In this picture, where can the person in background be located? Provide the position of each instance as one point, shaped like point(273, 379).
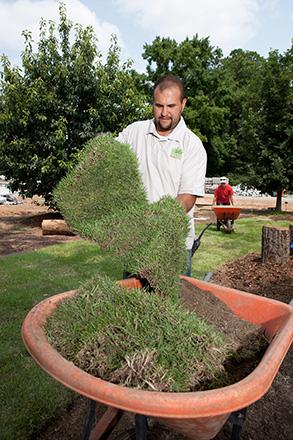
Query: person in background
point(223, 195)
point(172, 159)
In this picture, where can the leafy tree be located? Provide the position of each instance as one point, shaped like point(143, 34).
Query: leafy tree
point(63, 96)
point(241, 79)
point(266, 133)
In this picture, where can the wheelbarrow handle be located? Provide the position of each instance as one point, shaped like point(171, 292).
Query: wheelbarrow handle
point(196, 242)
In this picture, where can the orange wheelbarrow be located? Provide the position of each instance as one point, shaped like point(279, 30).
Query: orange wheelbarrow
point(198, 415)
point(226, 214)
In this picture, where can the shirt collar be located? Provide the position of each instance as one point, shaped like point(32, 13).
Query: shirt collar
point(175, 135)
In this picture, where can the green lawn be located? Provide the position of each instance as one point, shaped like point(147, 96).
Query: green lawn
point(29, 397)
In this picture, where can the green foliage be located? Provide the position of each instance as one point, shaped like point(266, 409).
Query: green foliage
point(110, 207)
point(240, 73)
point(267, 128)
point(63, 96)
point(108, 328)
point(261, 119)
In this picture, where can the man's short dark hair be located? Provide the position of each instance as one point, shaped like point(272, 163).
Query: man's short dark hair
point(169, 80)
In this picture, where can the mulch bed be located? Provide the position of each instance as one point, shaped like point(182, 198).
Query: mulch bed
point(272, 280)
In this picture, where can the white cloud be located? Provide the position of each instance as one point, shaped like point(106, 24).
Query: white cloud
point(20, 15)
point(229, 23)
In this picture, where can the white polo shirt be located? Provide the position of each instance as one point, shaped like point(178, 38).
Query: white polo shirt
point(169, 165)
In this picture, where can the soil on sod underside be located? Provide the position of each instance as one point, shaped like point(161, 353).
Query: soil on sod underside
point(247, 339)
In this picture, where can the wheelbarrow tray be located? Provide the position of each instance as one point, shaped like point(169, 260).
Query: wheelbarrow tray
point(224, 212)
point(198, 415)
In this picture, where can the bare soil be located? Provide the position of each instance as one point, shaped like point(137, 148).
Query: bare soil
point(20, 227)
point(268, 419)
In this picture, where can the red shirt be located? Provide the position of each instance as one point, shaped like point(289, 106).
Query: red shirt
point(223, 193)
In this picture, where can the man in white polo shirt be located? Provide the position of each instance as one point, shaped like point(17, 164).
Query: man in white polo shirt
point(172, 159)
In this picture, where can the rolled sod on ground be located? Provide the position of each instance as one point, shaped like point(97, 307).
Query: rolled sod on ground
point(137, 337)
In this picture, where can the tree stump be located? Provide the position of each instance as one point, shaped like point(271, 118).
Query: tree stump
point(275, 244)
point(55, 227)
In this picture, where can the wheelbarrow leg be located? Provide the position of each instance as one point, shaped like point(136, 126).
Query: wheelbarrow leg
point(101, 429)
point(141, 427)
point(237, 419)
point(90, 418)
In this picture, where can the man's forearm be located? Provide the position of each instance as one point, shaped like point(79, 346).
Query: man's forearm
point(186, 200)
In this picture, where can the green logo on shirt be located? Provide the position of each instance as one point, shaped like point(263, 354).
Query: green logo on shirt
point(176, 152)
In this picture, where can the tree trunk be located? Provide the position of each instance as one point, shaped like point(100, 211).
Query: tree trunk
point(275, 244)
point(279, 199)
point(55, 227)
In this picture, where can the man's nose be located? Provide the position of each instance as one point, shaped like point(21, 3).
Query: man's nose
point(164, 110)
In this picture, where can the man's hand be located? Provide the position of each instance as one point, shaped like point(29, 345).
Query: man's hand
point(186, 200)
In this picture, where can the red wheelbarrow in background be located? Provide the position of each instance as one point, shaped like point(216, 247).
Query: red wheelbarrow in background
point(226, 214)
point(198, 415)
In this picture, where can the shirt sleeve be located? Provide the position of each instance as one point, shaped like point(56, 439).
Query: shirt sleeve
point(193, 172)
point(123, 136)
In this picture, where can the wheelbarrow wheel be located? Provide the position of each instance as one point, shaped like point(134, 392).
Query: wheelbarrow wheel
point(229, 226)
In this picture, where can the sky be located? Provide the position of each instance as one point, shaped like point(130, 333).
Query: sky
point(258, 25)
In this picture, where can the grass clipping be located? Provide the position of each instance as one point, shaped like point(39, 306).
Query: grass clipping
point(129, 336)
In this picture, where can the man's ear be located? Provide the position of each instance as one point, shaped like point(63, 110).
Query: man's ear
point(184, 101)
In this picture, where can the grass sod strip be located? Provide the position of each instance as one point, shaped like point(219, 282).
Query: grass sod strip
point(103, 199)
point(136, 338)
point(148, 241)
point(105, 181)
